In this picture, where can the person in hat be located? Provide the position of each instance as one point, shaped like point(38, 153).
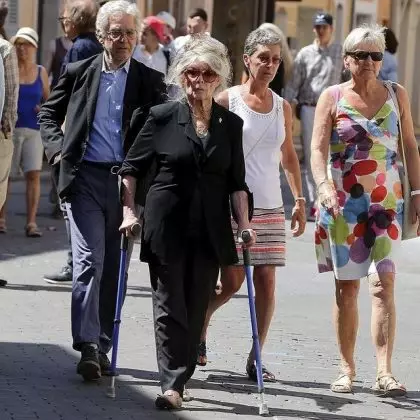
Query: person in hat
point(28, 150)
point(316, 67)
point(170, 26)
point(150, 51)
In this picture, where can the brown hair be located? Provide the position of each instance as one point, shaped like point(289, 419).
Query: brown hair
point(82, 14)
point(3, 15)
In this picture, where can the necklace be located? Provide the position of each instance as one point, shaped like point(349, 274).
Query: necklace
point(201, 124)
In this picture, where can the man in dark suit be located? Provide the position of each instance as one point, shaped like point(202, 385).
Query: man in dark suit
point(105, 100)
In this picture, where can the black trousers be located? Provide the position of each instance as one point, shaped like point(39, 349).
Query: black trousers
point(181, 293)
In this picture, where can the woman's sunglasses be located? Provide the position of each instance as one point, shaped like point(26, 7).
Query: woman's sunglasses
point(364, 55)
point(209, 76)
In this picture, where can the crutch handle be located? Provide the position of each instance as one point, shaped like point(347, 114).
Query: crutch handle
point(246, 237)
point(135, 231)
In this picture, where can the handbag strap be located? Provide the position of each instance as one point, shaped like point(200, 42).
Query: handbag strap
point(275, 118)
point(392, 91)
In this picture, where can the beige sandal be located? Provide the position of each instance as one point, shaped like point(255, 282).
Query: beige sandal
point(388, 386)
point(32, 231)
point(343, 384)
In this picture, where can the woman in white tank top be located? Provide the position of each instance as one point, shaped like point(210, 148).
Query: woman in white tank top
point(267, 143)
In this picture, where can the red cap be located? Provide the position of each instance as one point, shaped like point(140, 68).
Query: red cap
point(157, 25)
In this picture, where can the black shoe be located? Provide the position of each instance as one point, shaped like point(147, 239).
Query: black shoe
point(105, 364)
point(3, 283)
point(89, 366)
point(64, 276)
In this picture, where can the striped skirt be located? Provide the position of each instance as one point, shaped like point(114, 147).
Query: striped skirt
point(270, 248)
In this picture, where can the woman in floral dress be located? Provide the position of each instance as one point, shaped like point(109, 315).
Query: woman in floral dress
point(358, 229)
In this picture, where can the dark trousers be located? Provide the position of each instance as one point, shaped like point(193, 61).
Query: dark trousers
point(54, 180)
point(95, 215)
point(181, 292)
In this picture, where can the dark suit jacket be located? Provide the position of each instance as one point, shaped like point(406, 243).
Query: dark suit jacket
point(168, 139)
point(74, 98)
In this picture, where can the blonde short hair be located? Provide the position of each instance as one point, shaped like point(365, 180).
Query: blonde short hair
point(370, 34)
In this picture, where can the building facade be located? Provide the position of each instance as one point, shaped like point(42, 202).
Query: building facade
point(231, 20)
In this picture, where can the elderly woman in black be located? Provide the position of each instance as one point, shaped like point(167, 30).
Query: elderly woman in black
point(194, 146)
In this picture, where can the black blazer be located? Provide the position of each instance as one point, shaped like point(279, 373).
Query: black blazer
point(169, 141)
point(74, 98)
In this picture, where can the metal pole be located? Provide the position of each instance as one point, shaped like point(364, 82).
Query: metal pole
point(352, 12)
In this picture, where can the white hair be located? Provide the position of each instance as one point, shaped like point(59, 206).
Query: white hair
point(286, 55)
point(200, 48)
point(365, 34)
point(112, 8)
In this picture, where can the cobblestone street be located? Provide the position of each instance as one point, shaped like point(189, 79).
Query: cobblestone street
point(37, 364)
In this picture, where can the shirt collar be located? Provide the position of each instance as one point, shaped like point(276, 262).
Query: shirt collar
point(105, 69)
point(318, 46)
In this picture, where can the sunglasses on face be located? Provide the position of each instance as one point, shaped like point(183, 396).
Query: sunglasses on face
point(209, 76)
point(364, 55)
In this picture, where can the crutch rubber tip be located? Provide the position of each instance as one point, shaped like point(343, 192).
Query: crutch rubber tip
point(264, 410)
point(110, 392)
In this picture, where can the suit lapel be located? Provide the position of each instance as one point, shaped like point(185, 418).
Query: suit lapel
point(93, 79)
point(184, 118)
point(217, 129)
point(131, 93)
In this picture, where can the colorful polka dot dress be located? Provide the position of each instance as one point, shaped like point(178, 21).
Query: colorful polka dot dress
point(365, 235)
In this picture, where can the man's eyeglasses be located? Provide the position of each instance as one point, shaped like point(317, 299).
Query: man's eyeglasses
point(364, 55)
point(63, 19)
point(115, 35)
point(209, 76)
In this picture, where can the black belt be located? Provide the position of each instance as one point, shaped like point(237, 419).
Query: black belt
point(308, 103)
point(113, 167)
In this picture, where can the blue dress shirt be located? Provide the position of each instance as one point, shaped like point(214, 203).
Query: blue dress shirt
point(105, 140)
point(389, 70)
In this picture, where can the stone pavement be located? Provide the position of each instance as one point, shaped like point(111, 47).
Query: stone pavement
point(37, 364)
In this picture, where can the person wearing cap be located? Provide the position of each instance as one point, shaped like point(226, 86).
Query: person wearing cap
point(170, 26)
point(28, 150)
point(105, 100)
point(150, 51)
point(316, 67)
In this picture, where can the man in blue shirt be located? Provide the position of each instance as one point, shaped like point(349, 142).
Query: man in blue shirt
point(78, 22)
point(105, 101)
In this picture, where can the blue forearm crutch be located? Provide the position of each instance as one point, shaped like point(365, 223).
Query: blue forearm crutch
point(135, 229)
point(263, 408)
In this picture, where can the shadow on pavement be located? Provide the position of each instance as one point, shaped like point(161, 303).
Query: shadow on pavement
point(38, 381)
point(237, 384)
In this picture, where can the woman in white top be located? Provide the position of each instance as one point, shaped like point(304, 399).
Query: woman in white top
point(267, 143)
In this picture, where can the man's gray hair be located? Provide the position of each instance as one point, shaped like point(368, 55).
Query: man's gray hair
point(200, 48)
point(112, 8)
point(365, 34)
point(261, 37)
point(82, 14)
